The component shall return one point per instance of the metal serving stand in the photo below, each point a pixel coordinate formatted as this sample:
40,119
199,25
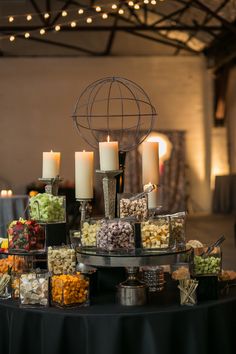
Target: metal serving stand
132,291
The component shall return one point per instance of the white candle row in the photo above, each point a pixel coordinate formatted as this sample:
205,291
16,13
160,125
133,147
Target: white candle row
109,160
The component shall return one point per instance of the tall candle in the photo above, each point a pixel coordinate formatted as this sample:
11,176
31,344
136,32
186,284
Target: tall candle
51,164
84,167
108,153
150,162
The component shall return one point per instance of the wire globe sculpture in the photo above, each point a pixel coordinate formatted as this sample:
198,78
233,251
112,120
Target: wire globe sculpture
111,107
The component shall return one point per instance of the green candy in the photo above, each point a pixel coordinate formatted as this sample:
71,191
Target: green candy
47,208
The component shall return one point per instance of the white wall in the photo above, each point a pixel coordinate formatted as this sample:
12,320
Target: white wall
37,97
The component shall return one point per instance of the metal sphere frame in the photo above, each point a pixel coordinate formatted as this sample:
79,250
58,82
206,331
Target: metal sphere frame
84,109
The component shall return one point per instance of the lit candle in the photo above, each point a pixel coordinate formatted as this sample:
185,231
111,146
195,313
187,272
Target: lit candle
108,153
51,164
84,167
153,197
150,162
3,193
9,193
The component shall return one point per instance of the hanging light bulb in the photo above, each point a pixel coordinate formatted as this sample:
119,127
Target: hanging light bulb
42,31
121,11
114,7
64,13
73,24
80,11
27,35
57,28
46,15
146,1
89,20
153,2
136,6
131,3
12,38
10,18
104,16
28,17
98,9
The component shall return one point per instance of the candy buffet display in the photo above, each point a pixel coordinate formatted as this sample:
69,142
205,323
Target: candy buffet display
207,264
89,231
25,236
61,260
45,207
137,208
34,289
155,233
69,290
115,235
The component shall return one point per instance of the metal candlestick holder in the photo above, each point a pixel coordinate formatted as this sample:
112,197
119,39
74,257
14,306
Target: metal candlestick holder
52,184
84,208
109,191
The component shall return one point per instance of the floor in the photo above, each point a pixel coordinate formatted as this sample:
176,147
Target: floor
208,228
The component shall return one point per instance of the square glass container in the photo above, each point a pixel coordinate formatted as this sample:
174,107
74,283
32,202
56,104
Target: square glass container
89,230
69,290
61,260
115,235
48,208
209,264
155,233
26,236
5,280
178,235
17,266
137,208
34,289
180,271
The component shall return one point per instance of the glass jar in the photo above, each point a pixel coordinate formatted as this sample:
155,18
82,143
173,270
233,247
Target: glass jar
178,236
154,278
4,286
61,260
180,271
89,230
26,236
155,233
47,208
19,265
34,289
137,208
207,264
69,290
115,235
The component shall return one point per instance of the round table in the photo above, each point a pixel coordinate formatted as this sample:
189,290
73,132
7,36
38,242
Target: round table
161,327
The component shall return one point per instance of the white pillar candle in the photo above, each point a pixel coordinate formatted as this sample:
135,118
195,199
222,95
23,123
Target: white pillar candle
108,153
153,197
84,167
150,162
51,164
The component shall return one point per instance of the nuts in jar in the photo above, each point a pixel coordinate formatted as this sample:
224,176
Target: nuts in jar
137,208
61,260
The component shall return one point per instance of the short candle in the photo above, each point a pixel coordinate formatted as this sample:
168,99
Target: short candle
51,164
108,153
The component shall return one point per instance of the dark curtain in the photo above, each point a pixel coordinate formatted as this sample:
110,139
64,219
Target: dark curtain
173,181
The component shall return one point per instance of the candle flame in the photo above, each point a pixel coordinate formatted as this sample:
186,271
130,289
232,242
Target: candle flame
108,138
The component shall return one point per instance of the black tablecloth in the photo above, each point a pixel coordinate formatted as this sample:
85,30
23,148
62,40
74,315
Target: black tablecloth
224,197
161,327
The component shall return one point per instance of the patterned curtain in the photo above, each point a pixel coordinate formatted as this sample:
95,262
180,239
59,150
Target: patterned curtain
172,179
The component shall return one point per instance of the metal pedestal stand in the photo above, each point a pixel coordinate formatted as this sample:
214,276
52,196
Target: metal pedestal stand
52,184
84,207
109,190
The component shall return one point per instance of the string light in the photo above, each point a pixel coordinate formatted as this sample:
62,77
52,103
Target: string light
89,20
12,38
131,3
28,17
104,16
46,15
57,28
73,24
11,19
114,7
146,1
153,2
136,6
42,31
80,11
64,13
27,35
98,9
121,11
